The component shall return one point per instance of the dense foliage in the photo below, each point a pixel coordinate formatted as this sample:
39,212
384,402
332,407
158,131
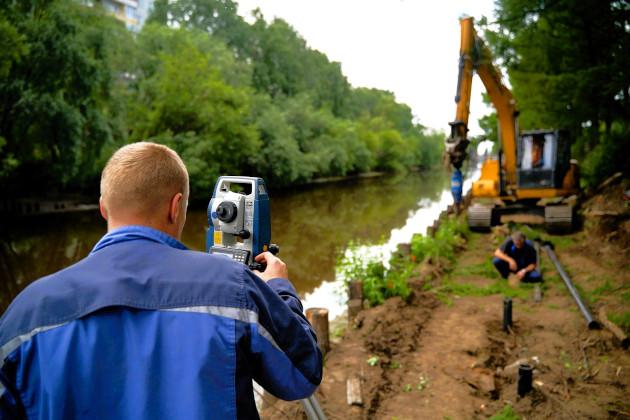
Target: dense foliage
229,96
569,67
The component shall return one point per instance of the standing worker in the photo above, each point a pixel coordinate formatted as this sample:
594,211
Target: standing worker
143,328
517,257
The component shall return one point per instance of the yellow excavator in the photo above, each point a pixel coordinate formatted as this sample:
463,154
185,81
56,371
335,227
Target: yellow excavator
533,178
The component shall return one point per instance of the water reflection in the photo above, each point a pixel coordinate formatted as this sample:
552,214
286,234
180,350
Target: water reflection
312,225
36,246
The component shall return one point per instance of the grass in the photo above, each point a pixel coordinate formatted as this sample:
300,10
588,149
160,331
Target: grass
604,289
500,287
484,269
506,414
560,242
621,319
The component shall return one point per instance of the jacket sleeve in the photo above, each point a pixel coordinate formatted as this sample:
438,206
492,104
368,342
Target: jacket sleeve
10,408
287,360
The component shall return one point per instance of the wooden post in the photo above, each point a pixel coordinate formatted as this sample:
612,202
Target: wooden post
404,249
354,307
355,289
318,317
436,226
355,298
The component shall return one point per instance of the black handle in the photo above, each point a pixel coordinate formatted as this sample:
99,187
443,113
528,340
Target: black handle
257,266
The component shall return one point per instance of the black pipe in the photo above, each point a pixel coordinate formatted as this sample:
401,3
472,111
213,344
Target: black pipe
507,314
524,379
592,324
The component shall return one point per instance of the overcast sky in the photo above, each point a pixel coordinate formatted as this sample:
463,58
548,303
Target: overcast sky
409,47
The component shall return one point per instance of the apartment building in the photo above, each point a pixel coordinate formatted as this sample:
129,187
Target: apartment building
133,12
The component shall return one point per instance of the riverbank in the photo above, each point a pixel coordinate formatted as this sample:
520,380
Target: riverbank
442,354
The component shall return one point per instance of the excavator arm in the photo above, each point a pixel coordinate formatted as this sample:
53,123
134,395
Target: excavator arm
474,55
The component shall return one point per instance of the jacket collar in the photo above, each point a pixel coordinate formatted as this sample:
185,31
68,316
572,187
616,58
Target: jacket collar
133,233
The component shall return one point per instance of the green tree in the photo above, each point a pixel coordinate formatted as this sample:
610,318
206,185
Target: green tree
568,66
55,83
185,100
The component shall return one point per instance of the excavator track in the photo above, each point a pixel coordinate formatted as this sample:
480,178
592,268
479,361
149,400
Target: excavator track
480,217
559,218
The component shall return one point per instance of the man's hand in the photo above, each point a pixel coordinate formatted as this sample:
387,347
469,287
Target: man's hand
521,274
512,264
276,268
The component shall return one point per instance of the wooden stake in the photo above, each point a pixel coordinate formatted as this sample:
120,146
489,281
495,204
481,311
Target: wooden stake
318,317
354,307
355,290
353,391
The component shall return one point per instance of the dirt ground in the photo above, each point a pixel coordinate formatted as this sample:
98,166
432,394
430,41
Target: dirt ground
442,353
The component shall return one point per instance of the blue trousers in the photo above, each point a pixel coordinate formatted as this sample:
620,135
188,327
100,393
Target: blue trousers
504,269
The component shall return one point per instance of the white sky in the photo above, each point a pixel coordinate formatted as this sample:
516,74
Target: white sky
409,47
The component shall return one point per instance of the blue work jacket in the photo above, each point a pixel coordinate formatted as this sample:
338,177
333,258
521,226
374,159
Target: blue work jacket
143,328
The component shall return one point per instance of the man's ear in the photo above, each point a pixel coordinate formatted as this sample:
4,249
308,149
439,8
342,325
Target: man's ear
102,208
175,208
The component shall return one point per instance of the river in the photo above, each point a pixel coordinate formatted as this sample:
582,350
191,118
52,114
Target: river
312,225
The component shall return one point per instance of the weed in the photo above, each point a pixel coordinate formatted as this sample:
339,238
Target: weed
422,383
605,288
625,296
407,388
372,360
566,360
506,414
378,283
451,235
394,364
339,330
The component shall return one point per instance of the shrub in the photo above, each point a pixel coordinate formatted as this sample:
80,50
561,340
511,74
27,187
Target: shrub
379,283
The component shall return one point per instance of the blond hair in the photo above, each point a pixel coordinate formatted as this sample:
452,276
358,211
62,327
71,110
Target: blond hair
141,176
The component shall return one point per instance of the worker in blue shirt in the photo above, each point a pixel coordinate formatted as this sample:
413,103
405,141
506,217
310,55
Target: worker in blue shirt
517,257
143,328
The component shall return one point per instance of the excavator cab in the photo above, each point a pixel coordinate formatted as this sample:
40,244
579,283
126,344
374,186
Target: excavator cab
542,158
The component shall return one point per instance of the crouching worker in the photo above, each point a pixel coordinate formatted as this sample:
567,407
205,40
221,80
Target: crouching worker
143,328
517,256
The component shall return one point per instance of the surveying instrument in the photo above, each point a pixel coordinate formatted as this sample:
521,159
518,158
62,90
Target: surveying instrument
239,227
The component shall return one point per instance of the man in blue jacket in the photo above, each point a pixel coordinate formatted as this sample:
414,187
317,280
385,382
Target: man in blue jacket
143,328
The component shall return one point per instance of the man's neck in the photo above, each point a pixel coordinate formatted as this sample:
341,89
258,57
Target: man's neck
170,230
